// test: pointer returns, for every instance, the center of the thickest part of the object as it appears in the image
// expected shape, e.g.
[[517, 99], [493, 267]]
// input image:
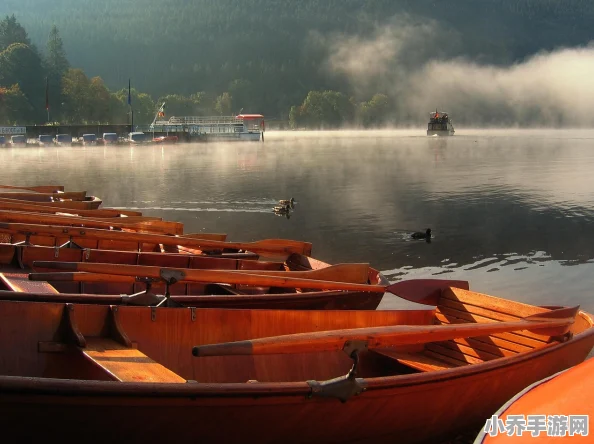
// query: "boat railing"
[[200, 120]]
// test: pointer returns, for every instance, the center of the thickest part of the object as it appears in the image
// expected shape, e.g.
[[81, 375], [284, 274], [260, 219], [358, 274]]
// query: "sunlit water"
[[511, 211]]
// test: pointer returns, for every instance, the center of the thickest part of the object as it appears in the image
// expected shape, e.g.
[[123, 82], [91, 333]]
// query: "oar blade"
[[565, 316], [286, 246], [424, 291]]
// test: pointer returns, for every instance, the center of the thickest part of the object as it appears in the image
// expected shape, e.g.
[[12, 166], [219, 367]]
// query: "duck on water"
[[289, 202], [421, 235]]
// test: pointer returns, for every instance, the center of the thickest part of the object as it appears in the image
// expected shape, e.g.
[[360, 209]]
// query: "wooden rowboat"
[[88, 203], [559, 399], [45, 197], [53, 207], [158, 373], [17, 262]]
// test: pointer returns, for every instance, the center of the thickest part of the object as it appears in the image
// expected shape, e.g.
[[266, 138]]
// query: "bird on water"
[[287, 202], [420, 235], [282, 210]]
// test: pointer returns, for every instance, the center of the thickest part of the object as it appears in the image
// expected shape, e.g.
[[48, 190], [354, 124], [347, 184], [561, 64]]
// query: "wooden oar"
[[74, 195], [552, 323], [51, 207], [211, 236], [276, 246], [37, 189], [97, 272], [406, 288], [164, 227]]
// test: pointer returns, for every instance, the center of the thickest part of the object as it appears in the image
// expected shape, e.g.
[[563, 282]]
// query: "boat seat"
[[419, 361], [126, 364], [458, 306], [20, 282], [462, 306]]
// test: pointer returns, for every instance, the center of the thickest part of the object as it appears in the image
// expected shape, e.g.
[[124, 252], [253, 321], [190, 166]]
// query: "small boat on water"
[[89, 139], [18, 140], [110, 139], [45, 140], [440, 124], [165, 140], [63, 140], [269, 376], [137, 138], [558, 406]]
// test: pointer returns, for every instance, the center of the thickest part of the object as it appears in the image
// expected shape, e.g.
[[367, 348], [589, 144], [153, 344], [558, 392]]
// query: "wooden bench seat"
[[20, 282], [126, 364], [419, 361]]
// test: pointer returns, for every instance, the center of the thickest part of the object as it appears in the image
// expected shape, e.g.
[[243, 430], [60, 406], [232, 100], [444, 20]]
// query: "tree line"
[[262, 56], [42, 87]]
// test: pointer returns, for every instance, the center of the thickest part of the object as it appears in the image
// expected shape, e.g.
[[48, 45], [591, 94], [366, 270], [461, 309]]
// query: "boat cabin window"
[[18, 139], [64, 138], [2, 139], [89, 137], [110, 137]]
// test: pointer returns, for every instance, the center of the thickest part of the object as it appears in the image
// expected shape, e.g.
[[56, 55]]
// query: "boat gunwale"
[[192, 389]]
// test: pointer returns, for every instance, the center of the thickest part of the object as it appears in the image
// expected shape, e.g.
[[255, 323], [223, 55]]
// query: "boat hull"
[[215, 404], [560, 394], [413, 408], [227, 137], [449, 132]]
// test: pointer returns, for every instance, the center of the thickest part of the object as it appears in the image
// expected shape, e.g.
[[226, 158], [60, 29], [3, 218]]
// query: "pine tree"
[[11, 32], [56, 56]]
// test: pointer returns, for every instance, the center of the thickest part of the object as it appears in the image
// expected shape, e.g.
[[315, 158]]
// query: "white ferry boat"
[[242, 127], [439, 124]]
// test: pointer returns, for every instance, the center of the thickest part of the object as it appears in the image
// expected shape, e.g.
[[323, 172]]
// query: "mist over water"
[[511, 210], [422, 65]]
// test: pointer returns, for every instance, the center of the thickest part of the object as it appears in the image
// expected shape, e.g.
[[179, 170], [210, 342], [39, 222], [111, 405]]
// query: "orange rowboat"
[[129, 372], [560, 406]]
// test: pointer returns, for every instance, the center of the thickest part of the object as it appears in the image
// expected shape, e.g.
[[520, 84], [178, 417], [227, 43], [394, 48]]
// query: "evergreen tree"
[[12, 32], [56, 56], [57, 65]]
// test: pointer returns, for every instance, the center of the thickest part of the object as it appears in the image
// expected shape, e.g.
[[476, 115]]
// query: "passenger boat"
[[439, 124], [561, 404], [267, 376], [241, 127], [3, 141]]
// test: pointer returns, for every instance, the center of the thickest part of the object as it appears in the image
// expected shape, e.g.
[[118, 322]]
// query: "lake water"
[[511, 211]]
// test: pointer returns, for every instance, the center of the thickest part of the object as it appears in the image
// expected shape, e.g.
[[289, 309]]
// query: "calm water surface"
[[512, 211]]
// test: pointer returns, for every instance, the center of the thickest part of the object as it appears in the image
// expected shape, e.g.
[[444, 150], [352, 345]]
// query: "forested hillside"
[[269, 54]]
